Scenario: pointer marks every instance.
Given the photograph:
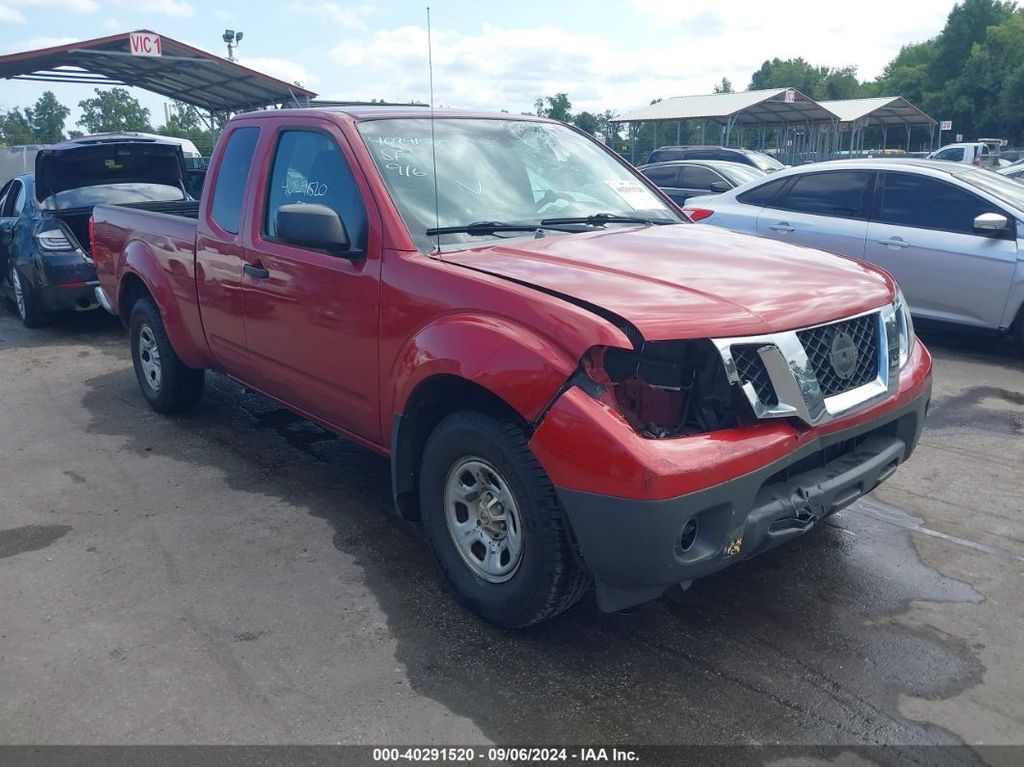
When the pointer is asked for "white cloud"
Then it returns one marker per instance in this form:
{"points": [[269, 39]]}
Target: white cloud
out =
{"points": [[76, 7], [345, 16], [748, 32], [35, 43], [112, 25], [221, 15], [176, 9], [9, 15], [672, 49], [283, 69], [510, 68]]}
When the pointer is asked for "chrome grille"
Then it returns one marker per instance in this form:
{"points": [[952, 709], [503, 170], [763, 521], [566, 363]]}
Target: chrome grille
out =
{"points": [[818, 343], [751, 369]]}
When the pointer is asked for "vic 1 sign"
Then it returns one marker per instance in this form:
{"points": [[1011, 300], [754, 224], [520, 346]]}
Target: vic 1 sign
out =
{"points": [[144, 44]]}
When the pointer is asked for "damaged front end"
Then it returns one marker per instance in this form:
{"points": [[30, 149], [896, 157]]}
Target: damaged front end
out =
{"points": [[665, 388]]}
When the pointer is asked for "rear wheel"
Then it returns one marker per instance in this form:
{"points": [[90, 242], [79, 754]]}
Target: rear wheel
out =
{"points": [[25, 301], [168, 385], [494, 522]]}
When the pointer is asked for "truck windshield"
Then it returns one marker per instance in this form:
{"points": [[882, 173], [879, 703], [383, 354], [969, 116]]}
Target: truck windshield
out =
{"points": [[508, 171]]}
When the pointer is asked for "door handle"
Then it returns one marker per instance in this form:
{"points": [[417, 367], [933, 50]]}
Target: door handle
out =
{"points": [[256, 272], [895, 242], [782, 226]]}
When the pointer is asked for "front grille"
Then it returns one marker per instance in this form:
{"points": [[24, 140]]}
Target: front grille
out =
{"points": [[751, 369], [826, 356]]}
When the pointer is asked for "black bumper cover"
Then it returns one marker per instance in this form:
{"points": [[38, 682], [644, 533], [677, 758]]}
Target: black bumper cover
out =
{"points": [[634, 547]]}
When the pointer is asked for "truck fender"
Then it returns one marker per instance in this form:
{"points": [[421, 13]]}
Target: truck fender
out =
{"points": [[506, 363], [522, 368], [169, 292]]}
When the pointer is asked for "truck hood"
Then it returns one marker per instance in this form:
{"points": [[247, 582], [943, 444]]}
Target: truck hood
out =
{"points": [[685, 281], [74, 165]]}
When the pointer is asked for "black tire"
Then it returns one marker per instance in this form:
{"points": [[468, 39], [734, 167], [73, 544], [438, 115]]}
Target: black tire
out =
{"points": [[170, 387], [1017, 332], [549, 578], [29, 311]]}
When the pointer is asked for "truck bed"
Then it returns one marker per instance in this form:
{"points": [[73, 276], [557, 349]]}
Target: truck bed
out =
{"points": [[168, 233], [77, 219]]}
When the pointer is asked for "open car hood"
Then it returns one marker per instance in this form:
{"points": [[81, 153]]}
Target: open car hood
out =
{"points": [[688, 281], [71, 165]]}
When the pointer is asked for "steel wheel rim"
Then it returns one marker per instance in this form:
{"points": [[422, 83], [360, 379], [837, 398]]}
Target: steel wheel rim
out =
{"points": [[19, 293], [483, 519], [149, 357]]}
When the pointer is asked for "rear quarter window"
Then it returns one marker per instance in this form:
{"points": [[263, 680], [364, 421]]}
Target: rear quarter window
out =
{"points": [[764, 195]]}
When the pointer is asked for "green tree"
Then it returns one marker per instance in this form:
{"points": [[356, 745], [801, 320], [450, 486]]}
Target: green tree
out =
{"points": [[557, 107], [15, 128], [841, 83], [47, 118], [725, 86], [789, 73], [966, 25], [113, 111], [184, 120], [818, 83], [907, 75]]}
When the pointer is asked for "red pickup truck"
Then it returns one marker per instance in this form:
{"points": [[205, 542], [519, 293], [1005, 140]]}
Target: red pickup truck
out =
{"points": [[575, 385]]}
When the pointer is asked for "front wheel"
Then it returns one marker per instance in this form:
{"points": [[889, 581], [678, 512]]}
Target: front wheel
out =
{"points": [[168, 385], [494, 522]]}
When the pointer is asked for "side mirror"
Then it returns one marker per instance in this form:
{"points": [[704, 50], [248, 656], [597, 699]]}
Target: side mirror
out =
{"points": [[719, 186], [313, 226], [991, 222]]}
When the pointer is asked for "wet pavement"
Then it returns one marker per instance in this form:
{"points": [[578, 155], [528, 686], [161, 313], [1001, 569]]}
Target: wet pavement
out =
{"points": [[230, 577]]}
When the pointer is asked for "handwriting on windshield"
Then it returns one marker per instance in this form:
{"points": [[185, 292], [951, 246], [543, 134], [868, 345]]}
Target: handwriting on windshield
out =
{"points": [[398, 154]]}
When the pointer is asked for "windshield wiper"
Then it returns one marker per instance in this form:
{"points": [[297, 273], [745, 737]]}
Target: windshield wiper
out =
{"points": [[481, 228], [597, 219]]}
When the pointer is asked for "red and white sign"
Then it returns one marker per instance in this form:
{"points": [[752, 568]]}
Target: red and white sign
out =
{"points": [[144, 44], [790, 96]]}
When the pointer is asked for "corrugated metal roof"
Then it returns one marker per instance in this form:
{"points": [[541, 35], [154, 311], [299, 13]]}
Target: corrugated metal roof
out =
{"points": [[182, 73], [887, 110], [774, 106]]}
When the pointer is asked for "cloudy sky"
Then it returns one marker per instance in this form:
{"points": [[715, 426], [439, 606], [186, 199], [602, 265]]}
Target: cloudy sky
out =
{"points": [[493, 55]]}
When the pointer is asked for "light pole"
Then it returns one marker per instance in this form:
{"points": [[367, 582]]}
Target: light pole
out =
{"points": [[232, 38]]}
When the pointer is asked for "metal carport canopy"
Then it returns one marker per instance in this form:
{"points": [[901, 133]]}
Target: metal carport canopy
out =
{"points": [[180, 72], [887, 110], [775, 106]]}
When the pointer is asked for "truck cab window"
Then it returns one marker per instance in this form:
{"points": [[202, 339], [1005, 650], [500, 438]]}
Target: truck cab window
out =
{"points": [[310, 168], [229, 186]]}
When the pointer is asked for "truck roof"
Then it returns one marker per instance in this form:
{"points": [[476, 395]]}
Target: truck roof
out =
{"points": [[357, 113]]}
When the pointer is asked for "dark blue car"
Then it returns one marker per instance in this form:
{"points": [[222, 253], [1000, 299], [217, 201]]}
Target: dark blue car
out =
{"points": [[45, 263]]}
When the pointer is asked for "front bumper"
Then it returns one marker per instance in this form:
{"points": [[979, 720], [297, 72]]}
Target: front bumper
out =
{"points": [[636, 547]]}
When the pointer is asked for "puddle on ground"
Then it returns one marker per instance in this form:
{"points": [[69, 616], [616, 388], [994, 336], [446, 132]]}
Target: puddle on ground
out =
{"points": [[19, 540], [981, 408]]}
